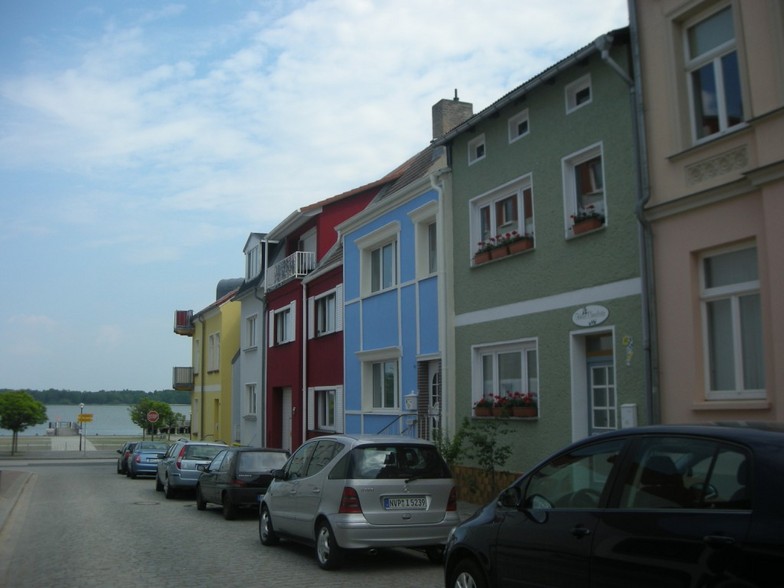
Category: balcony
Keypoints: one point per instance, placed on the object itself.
(296, 265)
(182, 378)
(183, 322)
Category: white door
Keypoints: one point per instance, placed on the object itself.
(286, 417)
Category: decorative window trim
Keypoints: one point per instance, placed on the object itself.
(514, 124)
(575, 93)
(521, 189)
(251, 336)
(389, 233)
(529, 362)
(423, 217)
(250, 401)
(477, 149)
(569, 165)
(374, 357)
(213, 352)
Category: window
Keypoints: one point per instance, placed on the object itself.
(281, 325)
(425, 238)
(250, 399)
(383, 267)
(250, 332)
(213, 353)
(503, 369)
(252, 262)
(518, 126)
(732, 317)
(713, 74)
(508, 209)
(432, 251)
(476, 149)
(578, 94)
(384, 384)
(584, 195)
(325, 409)
(326, 313)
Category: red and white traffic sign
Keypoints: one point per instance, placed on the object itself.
(153, 416)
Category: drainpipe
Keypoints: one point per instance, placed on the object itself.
(304, 384)
(645, 234)
(437, 184)
(202, 374)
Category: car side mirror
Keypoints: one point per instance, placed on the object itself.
(509, 498)
(202, 467)
(278, 474)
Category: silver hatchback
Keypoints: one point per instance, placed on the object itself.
(179, 467)
(343, 492)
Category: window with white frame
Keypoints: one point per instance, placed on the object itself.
(578, 93)
(380, 379)
(250, 399)
(518, 126)
(253, 262)
(713, 73)
(213, 353)
(326, 313)
(504, 212)
(281, 325)
(505, 369)
(426, 239)
(584, 194)
(383, 267)
(325, 409)
(250, 332)
(476, 149)
(732, 318)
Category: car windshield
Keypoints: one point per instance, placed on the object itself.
(397, 461)
(152, 447)
(202, 452)
(261, 461)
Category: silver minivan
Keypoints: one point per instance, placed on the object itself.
(343, 492)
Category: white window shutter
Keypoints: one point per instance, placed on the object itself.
(339, 307)
(311, 318)
(339, 416)
(292, 320)
(271, 329)
(311, 409)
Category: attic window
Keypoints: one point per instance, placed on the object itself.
(476, 149)
(578, 94)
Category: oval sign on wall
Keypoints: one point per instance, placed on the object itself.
(590, 315)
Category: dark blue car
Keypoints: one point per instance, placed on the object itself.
(646, 507)
(143, 460)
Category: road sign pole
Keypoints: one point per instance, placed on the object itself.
(81, 425)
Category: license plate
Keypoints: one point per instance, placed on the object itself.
(153, 460)
(405, 503)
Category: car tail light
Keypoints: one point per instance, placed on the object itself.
(349, 502)
(138, 459)
(239, 483)
(180, 455)
(451, 504)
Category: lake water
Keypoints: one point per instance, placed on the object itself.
(107, 419)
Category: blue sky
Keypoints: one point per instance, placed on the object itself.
(142, 141)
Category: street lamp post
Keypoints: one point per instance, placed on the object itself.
(81, 425)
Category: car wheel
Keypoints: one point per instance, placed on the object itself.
(132, 475)
(435, 555)
(201, 504)
(119, 469)
(168, 491)
(328, 553)
(267, 533)
(229, 508)
(158, 485)
(467, 574)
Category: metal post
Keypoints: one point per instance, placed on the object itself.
(81, 425)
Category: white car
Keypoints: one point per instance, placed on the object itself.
(342, 492)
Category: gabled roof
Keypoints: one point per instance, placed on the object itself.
(620, 35)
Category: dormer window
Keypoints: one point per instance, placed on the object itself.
(476, 149)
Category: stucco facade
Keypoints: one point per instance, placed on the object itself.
(712, 79)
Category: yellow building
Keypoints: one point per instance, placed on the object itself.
(216, 338)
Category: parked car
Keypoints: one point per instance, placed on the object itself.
(236, 477)
(125, 452)
(178, 470)
(343, 492)
(651, 506)
(143, 460)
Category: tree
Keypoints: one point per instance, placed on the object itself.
(138, 413)
(19, 410)
(484, 445)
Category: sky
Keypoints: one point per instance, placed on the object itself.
(141, 142)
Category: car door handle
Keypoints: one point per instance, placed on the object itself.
(579, 531)
(719, 540)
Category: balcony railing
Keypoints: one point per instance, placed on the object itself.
(296, 265)
(183, 322)
(182, 378)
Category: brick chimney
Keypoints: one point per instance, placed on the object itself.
(447, 114)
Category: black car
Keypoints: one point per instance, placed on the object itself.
(236, 477)
(652, 506)
(125, 452)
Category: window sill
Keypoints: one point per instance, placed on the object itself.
(522, 246)
(731, 405)
(589, 225)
